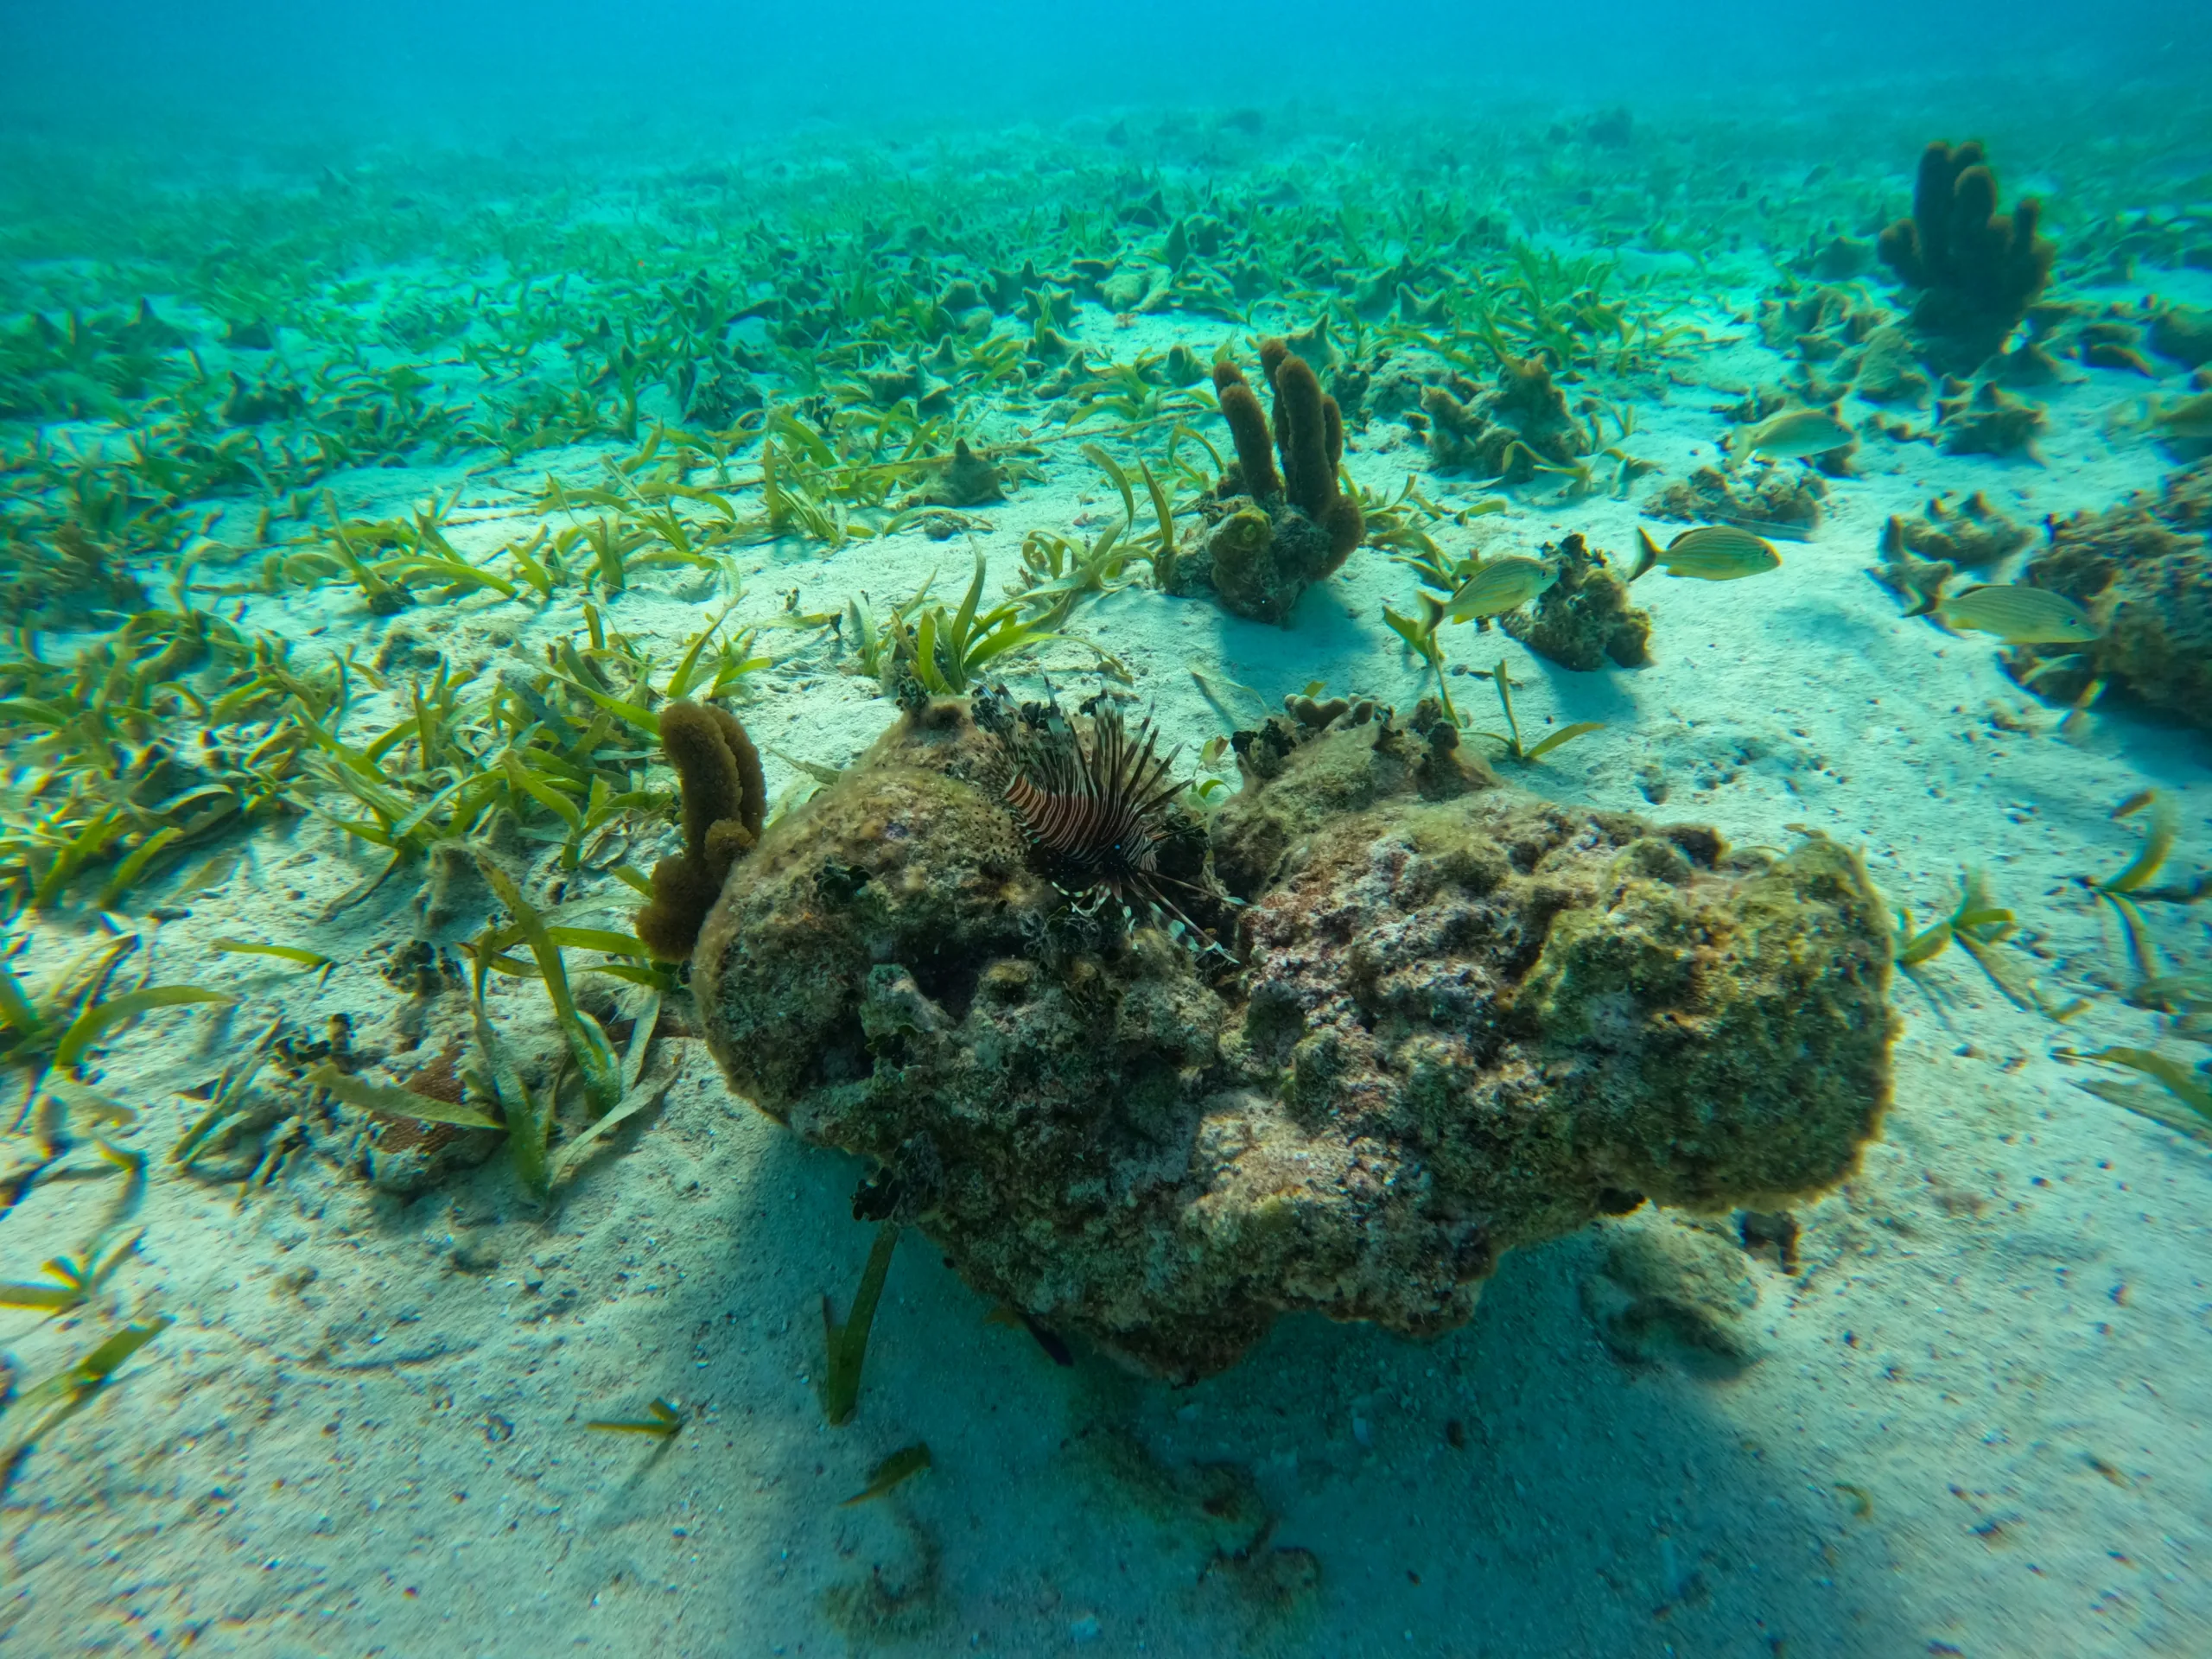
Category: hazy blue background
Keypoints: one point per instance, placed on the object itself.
(559, 70)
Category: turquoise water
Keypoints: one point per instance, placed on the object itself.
(1625, 1074)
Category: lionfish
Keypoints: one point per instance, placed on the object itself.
(1097, 810)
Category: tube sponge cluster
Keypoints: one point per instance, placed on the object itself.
(1308, 431)
(1277, 532)
(1978, 270)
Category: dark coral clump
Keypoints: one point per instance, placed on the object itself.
(1785, 501)
(1507, 432)
(1845, 344)
(967, 478)
(1984, 419)
(1817, 324)
(1275, 534)
(1458, 1020)
(1584, 620)
(725, 800)
(2144, 567)
(2183, 333)
(1970, 536)
(1977, 271)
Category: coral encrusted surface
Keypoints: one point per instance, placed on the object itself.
(1444, 1018)
(2144, 569)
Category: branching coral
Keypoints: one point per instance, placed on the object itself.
(1276, 533)
(725, 800)
(1977, 272)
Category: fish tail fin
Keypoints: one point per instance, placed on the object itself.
(1930, 604)
(2101, 608)
(1647, 553)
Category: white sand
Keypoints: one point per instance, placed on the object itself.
(1978, 1425)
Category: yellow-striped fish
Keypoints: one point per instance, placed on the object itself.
(2019, 615)
(1710, 553)
(1795, 434)
(1500, 585)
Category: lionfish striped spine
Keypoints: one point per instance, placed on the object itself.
(1096, 810)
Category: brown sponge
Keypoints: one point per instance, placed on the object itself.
(1309, 431)
(1302, 433)
(1345, 523)
(724, 802)
(1247, 428)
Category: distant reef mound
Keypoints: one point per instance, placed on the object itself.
(1156, 1075)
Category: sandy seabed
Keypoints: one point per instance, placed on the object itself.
(1974, 1416)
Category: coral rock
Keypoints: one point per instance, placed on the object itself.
(1783, 501)
(1584, 620)
(1507, 432)
(1459, 1020)
(1886, 369)
(2148, 563)
(1816, 324)
(1969, 536)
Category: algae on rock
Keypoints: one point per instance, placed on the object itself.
(1458, 1020)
